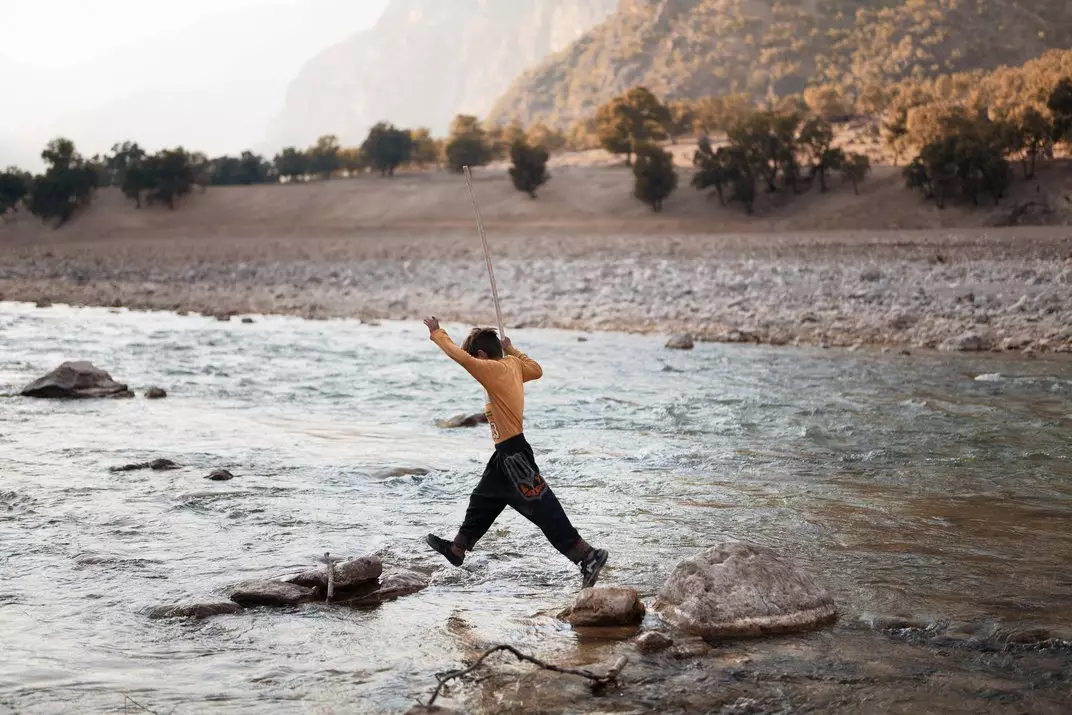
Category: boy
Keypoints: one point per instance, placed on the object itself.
(511, 477)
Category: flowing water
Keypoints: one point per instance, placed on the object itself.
(909, 484)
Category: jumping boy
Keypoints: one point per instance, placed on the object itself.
(511, 477)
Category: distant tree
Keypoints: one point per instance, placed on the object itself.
(66, 186)
(528, 167)
(387, 148)
(655, 176)
(324, 156)
(171, 176)
(201, 168)
(827, 102)
(552, 140)
(353, 160)
(895, 132)
(468, 144)
(425, 148)
(757, 139)
(244, 170)
(122, 157)
(291, 163)
(1032, 135)
(1060, 104)
(855, 169)
(137, 180)
(631, 119)
(713, 168)
(681, 120)
(817, 136)
(14, 186)
(503, 139)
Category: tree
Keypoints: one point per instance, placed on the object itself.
(552, 140)
(713, 168)
(122, 157)
(291, 163)
(425, 148)
(244, 170)
(816, 136)
(529, 167)
(895, 132)
(468, 144)
(827, 102)
(655, 176)
(353, 160)
(387, 148)
(1060, 104)
(756, 139)
(14, 185)
(631, 119)
(855, 169)
(1032, 135)
(170, 176)
(137, 180)
(66, 186)
(324, 156)
(503, 139)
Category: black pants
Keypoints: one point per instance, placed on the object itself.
(513, 479)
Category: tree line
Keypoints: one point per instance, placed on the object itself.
(70, 180)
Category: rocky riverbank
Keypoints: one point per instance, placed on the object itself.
(972, 289)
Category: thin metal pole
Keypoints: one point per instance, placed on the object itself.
(487, 249)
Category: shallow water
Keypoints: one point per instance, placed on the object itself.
(909, 485)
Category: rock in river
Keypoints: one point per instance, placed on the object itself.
(394, 585)
(269, 593)
(605, 607)
(155, 393)
(741, 589)
(680, 342)
(464, 421)
(348, 575)
(653, 642)
(157, 465)
(76, 380)
(195, 610)
(219, 475)
(968, 342)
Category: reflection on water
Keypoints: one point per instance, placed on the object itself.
(909, 485)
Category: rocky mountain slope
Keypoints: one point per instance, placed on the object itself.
(425, 61)
(693, 48)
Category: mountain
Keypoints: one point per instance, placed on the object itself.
(424, 62)
(697, 48)
(212, 85)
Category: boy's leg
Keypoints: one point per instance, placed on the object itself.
(546, 512)
(485, 504)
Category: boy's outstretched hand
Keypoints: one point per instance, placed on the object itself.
(506, 344)
(432, 323)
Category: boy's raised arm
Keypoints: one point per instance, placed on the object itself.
(530, 369)
(480, 369)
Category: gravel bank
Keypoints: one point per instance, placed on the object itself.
(969, 289)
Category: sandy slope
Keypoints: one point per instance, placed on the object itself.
(583, 196)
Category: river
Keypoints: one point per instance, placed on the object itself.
(931, 485)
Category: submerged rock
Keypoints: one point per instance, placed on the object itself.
(348, 574)
(219, 475)
(741, 589)
(195, 610)
(155, 393)
(653, 642)
(464, 421)
(76, 380)
(269, 593)
(157, 465)
(605, 607)
(680, 342)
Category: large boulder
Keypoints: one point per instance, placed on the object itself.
(348, 575)
(269, 593)
(741, 589)
(76, 380)
(680, 342)
(605, 607)
(394, 585)
(157, 465)
(967, 343)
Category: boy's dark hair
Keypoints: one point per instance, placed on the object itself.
(486, 339)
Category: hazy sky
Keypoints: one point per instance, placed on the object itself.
(206, 74)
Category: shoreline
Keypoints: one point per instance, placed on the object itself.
(971, 289)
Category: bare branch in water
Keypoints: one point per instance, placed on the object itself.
(598, 681)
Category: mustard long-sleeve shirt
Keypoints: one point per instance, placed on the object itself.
(502, 380)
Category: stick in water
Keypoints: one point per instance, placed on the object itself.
(487, 249)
